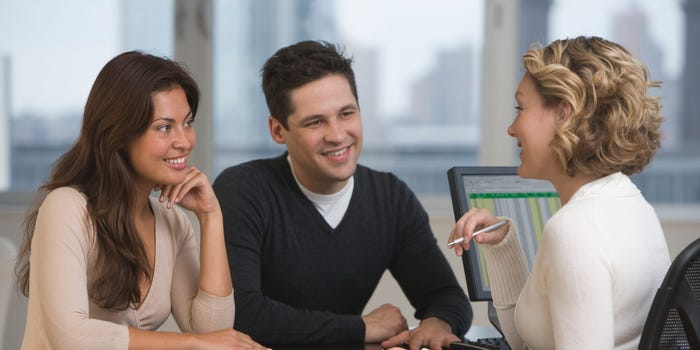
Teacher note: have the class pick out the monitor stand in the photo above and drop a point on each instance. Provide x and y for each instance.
(486, 342)
(493, 317)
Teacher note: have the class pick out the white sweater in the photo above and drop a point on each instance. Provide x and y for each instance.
(601, 259)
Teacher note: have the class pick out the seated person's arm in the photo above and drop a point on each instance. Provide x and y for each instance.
(427, 279)
(59, 269)
(60, 260)
(383, 323)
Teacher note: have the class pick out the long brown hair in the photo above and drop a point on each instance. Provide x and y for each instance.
(118, 110)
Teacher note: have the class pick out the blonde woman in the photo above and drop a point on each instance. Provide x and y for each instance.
(585, 122)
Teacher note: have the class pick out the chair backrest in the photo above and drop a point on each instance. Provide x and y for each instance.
(674, 318)
(7, 280)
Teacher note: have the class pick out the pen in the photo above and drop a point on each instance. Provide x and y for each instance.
(485, 229)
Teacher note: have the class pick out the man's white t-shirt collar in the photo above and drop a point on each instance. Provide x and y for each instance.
(331, 206)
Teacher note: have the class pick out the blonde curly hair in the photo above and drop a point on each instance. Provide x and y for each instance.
(614, 124)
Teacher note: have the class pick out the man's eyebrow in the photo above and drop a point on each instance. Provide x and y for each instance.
(310, 117)
(317, 116)
(349, 106)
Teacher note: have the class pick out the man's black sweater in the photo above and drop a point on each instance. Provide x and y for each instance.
(299, 281)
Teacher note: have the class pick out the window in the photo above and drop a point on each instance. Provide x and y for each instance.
(416, 66)
(420, 74)
(657, 32)
(424, 84)
(50, 54)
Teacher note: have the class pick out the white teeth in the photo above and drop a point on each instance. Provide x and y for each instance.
(175, 161)
(336, 153)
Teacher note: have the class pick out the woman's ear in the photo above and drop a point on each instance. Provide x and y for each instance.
(565, 110)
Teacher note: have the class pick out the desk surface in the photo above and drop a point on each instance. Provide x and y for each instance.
(475, 332)
(330, 347)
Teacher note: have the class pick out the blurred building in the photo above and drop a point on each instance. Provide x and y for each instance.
(5, 141)
(445, 95)
(690, 109)
(534, 19)
(365, 64)
(247, 32)
(631, 29)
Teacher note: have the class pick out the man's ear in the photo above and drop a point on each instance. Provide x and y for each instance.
(277, 130)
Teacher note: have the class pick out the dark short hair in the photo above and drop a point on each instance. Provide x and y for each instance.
(296, 65)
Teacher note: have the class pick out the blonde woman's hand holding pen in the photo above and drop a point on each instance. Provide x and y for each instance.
(468, 226)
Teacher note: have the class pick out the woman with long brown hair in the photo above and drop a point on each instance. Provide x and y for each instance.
(103, 262)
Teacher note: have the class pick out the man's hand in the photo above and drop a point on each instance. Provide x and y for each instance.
(433, 333)
(383, 322)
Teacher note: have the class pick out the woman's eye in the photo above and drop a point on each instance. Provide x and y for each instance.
(163, 128)
(518, 109)
(189, 122)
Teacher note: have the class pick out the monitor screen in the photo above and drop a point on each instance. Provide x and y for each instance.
(528, 202)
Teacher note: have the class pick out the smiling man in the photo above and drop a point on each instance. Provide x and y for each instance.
(310, 233)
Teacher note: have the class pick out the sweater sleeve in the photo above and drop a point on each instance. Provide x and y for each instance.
(422, 270)
(58, 287)
(247, 211)
(507, 269)
(195, 310)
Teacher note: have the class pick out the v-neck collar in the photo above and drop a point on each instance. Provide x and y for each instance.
(348, 190)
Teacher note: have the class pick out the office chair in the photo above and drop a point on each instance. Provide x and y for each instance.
(674, 318)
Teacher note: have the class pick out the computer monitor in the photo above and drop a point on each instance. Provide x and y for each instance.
(528, 202)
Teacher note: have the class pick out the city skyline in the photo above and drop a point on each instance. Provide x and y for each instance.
(566, 19)
(96, 38)
(331, 19)
(438, 127)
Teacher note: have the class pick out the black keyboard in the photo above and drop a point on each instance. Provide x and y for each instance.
(481, 344)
